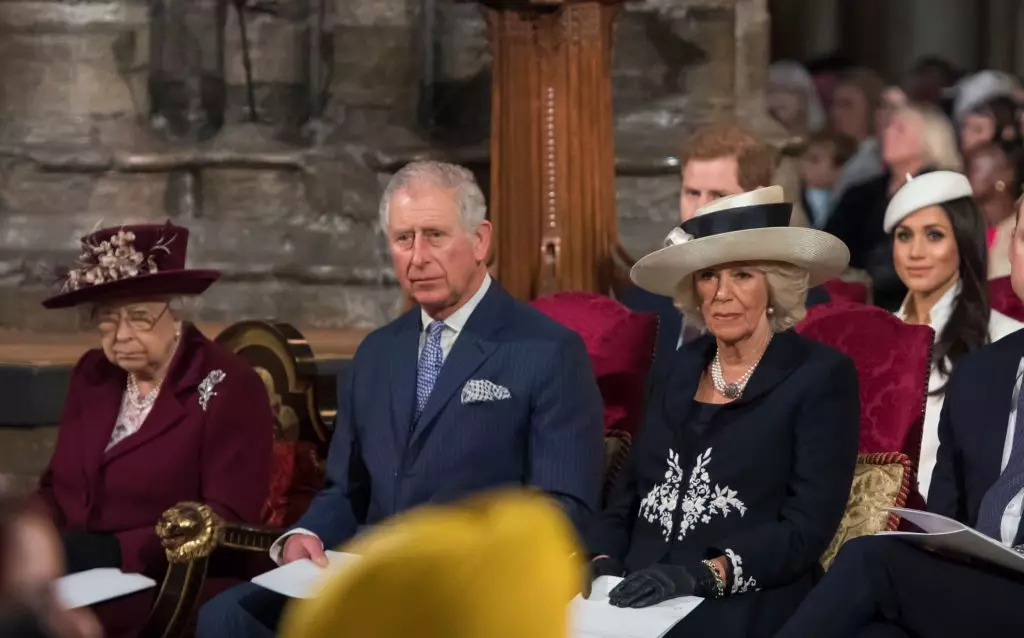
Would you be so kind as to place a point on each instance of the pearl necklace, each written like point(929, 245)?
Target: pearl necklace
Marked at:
point(732, 391)
point(137, 401)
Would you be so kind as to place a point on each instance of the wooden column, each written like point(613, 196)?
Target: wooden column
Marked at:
point(552, 148)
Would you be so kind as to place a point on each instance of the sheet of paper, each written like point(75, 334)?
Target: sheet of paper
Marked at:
point(596, 618)
point(302, 578)
point(97, 585)
point(945, 534)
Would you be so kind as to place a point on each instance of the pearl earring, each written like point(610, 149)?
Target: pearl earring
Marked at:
point(1000, 186)
point(771, 311)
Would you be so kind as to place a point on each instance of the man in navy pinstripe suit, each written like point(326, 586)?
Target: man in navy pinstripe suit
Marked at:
point(470, 390)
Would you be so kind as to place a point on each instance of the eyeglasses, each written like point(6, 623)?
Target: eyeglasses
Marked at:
point(137, 320)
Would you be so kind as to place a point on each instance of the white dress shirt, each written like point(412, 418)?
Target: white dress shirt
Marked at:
point(999, 325)
point(453, 327)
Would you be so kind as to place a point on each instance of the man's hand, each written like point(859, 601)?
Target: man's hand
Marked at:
point(299, 546)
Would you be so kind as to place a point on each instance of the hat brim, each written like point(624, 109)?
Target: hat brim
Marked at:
point(824, 256)
point(167, 283)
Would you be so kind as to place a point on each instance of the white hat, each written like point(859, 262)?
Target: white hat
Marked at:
point(929, 189)
point(752, 226)
point(974, 90)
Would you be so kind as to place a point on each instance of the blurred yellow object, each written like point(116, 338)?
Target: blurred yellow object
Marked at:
point(503, 565)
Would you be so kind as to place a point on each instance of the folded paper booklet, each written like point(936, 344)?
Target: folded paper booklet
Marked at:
point(303, 579)
point(945, 534)
point(596, 618)
point(97, 585)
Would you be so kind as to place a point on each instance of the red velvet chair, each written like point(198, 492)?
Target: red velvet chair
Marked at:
point(893, 363)
point(850, 291)
point(1002, 298)
point(621, 345)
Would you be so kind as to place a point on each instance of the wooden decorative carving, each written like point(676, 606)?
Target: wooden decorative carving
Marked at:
point(552, 148)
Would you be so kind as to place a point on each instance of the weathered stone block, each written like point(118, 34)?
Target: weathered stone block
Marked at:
point(29, 191)
point(648, 207)
point(362, 13)
point(376, 66)
point(120, 198)
point(263, 196)
point(24, 455)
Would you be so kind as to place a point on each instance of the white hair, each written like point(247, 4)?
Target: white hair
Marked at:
point(787, 295)
point(468, 196)
point(792, 76)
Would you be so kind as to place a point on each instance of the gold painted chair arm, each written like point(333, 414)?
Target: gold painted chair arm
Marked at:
point(190, 533)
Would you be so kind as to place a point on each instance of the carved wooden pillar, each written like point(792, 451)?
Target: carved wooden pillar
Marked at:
point(552, 149)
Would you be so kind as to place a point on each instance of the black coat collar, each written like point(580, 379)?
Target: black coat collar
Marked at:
point(785, 353)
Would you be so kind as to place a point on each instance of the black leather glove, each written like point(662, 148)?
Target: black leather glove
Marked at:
point(652, 585)
point(601, 566)
point(84, 551)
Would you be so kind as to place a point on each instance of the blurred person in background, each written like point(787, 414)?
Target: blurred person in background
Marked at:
point(994, 120)
point(994, 171)
point(857, 99)
point(793, 100)
point(916, 139)
point(820, 166)
point(929, 81)
point(985, 108)
point(31, 561)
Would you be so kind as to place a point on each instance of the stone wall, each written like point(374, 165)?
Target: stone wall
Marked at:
point(342, 92)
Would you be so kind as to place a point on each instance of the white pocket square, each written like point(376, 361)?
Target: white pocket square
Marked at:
point(481, 390)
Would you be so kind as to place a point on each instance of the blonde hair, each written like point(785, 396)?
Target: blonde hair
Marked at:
point(937, 137)
point(787, 294)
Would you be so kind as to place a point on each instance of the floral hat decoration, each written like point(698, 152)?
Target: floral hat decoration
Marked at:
point(127, 262)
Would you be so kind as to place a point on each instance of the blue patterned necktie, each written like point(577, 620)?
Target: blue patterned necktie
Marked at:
point(429, 366)
point(1008, 485)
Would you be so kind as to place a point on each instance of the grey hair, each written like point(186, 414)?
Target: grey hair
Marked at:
point(787, 295)
point(468, 196)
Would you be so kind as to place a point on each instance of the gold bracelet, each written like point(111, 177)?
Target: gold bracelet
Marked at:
point(719, 591)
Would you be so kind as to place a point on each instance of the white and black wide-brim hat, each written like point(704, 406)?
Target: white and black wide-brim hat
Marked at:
point(752, 226)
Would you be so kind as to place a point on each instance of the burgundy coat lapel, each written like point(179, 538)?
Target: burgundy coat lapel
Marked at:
point(100, 407)
point(185, 373)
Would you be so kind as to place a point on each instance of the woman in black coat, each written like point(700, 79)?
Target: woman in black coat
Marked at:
point(742, 470)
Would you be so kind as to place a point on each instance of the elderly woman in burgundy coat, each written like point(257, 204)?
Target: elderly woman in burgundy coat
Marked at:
point(158, 414)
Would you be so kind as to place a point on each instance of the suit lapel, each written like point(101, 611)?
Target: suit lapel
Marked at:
point(682, 386)
point(404, 355)
point(785, 353)
point(996, 403)
point(100, 414)
point(472, 347)
point(183, 375)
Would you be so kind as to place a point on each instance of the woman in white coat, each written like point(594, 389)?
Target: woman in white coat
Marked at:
point(940, 255)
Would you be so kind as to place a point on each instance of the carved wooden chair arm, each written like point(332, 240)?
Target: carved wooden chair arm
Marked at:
point(190, 533)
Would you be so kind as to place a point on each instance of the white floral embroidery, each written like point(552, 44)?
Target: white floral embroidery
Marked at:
point(699, 503)
point(740, 585)
point(660, 503)
point(206, 387)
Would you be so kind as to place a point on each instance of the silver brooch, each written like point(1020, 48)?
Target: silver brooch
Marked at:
point(677, 236)
point(206, 387)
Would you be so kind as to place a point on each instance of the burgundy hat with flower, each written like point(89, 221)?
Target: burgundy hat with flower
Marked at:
point(131, 262)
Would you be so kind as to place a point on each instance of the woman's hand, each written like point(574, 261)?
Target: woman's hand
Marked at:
point(653, 585)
